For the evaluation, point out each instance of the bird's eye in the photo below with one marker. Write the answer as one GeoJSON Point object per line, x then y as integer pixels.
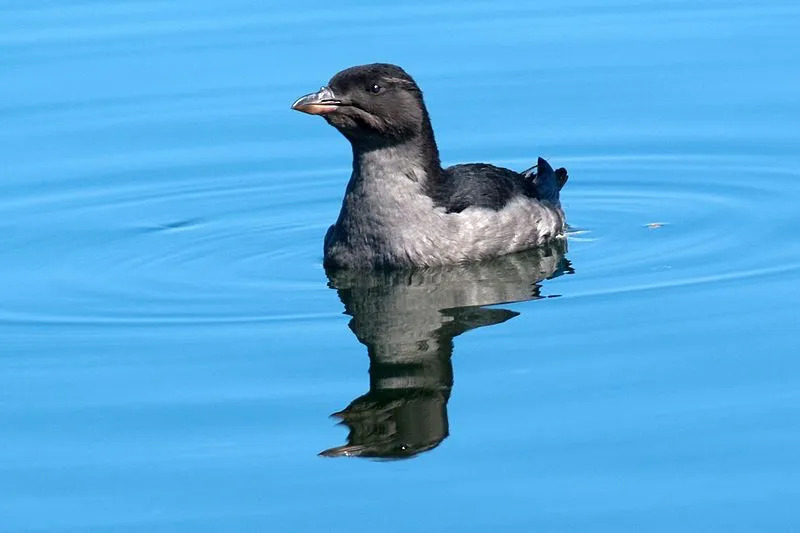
{"type": "Point", "coordinates": [375, 89]}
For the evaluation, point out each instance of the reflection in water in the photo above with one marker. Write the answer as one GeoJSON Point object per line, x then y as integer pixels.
{"type": "Point", "coordinates": [407, 321]}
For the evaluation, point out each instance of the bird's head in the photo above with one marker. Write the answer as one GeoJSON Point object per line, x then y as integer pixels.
{"type": "Point", "coordinates": [372, 105]}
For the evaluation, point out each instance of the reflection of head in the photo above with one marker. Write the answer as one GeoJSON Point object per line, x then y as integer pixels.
{"type": "Point", "coordinates": [393, 425]}
{"type": "Point", "coordinates": [407, 320]}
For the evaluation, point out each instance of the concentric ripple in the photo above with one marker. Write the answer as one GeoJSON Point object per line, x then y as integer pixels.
{"type": "Point", "coordinates": [243, 245]}
{"type": "Point", "coordinates": [654, 221]}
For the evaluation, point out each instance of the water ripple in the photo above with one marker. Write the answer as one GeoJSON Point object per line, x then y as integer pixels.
{"type": "Point", "coordinates": [233, 250]}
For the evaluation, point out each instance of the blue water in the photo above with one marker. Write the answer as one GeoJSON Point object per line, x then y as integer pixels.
{"type": "Point", "coordinates": [172, 347]}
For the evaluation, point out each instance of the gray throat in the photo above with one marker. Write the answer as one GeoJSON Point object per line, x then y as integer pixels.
{"type": "Point", "coordinates": [384, 198]}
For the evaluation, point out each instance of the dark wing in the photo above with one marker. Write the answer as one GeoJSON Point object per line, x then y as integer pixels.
{"type": "Point", "coordinates": [480, 185]}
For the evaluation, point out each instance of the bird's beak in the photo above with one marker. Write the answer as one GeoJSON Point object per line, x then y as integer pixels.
{"type": "Point", "coordinates": [321, 102]}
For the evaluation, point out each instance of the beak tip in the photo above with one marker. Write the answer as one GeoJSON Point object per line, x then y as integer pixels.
{"type": "Point", "coordinates": [319, 103]}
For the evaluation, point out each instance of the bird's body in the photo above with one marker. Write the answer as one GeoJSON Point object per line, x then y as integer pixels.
{"type": "Point", "coordinates": [389, 218]}
{"type": "Point", "coordinates": [401, 208]}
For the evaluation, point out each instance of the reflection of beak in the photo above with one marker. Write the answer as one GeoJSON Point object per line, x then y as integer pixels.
{"type": "Point", "coordinates": [318, 103]}
{"type": "Point", "coordinates": [345, 450]}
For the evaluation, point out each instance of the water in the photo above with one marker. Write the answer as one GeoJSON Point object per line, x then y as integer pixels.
{"type": "Point", "coordinates": [172, 348]}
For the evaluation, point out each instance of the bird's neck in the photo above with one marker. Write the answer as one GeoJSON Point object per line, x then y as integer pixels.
{"type": "Point", "coordinates": [387, 189]}
{"type": "Point", "coordinates": [415, 159]}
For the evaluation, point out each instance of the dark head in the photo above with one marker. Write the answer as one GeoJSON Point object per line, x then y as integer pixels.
{"type": "Point", "coordinates": [373, 106]}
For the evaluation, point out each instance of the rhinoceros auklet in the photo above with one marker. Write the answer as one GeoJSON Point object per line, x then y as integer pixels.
{"type": "Point", "coordinates": [401, 208]}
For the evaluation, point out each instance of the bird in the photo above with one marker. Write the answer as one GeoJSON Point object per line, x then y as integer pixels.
{"type": "Point", "coordinates": [401, 209]}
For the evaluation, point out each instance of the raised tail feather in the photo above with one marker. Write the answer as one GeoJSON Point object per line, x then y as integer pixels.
{"type": "Point", "coordinates": [548, 181]}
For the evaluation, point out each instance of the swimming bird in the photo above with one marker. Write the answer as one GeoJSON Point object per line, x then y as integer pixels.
{"type": "Point", "coordinates": [401, 209]}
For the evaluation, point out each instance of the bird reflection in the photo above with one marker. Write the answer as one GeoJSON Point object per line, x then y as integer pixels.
{"type": "Point", "coordinates": [407, 320]}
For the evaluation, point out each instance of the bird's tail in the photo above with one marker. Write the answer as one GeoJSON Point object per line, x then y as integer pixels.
{"type": "Point", "coordinates": [548, 182]}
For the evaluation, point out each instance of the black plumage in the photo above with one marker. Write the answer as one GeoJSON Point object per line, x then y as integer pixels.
{"type": "Point", "coordinates": [482, 185]}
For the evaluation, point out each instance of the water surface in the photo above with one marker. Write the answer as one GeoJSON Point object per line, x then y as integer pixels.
{"type": "Point", "coordinates": [172, 347]}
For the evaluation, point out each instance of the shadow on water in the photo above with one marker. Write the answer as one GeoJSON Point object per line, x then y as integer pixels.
{"type": "Point", "coordinates": [407, 320]}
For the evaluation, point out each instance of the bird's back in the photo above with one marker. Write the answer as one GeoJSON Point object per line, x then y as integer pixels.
{"type": "Point", "coordinates": [482, 185]}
